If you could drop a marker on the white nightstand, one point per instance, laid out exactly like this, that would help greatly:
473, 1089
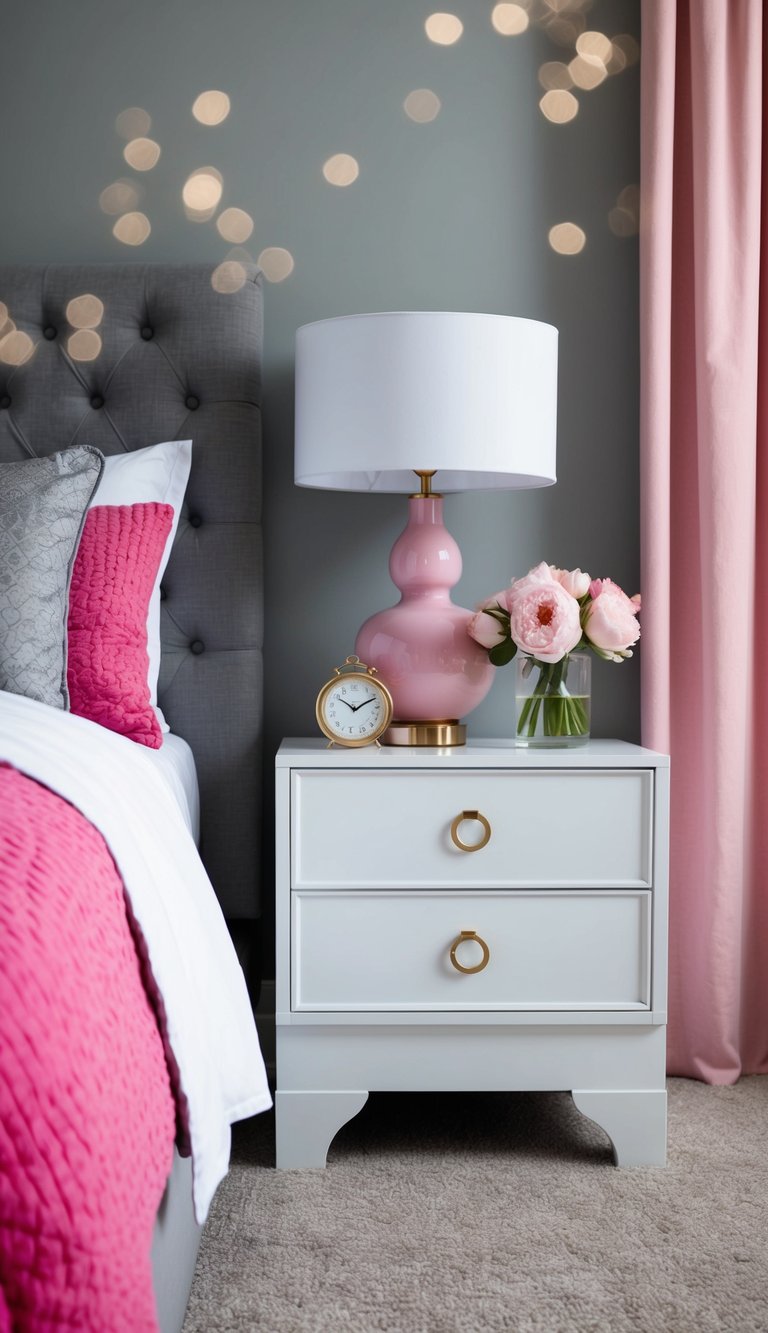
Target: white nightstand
568, 893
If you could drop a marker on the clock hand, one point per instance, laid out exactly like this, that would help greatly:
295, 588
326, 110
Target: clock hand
343, 701
365, 701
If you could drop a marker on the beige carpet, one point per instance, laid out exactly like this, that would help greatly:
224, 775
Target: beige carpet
496, 1211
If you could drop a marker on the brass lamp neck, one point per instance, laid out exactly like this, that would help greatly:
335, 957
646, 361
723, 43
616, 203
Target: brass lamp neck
425, 481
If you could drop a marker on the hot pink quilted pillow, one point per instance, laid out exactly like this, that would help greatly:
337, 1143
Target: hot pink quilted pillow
112, 579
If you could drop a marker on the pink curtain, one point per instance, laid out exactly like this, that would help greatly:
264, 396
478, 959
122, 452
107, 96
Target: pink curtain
704, 451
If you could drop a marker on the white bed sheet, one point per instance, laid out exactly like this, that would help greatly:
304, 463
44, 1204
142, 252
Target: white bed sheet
210, 1025
176, 764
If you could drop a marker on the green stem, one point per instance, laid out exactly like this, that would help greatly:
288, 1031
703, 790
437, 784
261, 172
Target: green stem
562, 715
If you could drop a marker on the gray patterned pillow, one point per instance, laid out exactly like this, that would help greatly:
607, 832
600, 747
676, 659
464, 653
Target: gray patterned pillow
43, 502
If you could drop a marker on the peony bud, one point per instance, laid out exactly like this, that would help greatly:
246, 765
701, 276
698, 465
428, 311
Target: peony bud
485, 629
573, 580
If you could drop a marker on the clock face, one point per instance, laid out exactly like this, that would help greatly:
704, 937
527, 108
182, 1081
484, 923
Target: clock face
354, 709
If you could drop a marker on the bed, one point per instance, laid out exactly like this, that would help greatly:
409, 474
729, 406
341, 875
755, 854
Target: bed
176, 360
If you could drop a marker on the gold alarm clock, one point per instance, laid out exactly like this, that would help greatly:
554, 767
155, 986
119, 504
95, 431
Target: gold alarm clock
354, 707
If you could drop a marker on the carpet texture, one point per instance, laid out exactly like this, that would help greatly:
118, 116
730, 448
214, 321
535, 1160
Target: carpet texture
495, 1211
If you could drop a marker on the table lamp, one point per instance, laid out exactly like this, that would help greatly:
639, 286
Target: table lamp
385, 401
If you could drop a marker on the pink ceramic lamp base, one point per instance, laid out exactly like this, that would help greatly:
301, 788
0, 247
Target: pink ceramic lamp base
434, 671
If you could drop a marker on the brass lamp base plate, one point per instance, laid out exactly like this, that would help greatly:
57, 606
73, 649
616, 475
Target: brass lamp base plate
447, 732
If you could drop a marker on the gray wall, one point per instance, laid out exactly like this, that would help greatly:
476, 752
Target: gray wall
450, 215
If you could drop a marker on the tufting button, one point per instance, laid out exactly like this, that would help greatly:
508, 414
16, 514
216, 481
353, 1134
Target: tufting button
49, 333
195, 520
147, 333
5, 401
192, 402
197, 647
97, 400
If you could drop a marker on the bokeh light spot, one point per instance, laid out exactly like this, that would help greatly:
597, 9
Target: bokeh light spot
234, 224
563, 31
16, 348
341, 169
133, 123
228, 277
567, 239
422, 105
119, 197
555, 74
629, 47
275, 263
85, 312
211, 107
443, 29
241, 256
559, 106
202, 193
142, 154
587, 72
617, 60
132, 228
84, 345
629, 198
509, 20
621, 222
624, 218
594, 44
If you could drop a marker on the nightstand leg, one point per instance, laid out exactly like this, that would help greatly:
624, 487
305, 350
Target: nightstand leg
635, 1122
307, 1122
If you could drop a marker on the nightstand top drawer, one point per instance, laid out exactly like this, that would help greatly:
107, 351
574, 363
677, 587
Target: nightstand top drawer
556, 828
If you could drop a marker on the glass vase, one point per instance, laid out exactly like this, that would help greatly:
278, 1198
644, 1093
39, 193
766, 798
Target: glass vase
552, 701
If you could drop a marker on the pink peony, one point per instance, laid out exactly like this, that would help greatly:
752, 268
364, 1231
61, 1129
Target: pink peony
543, 618
574, 582
611, 619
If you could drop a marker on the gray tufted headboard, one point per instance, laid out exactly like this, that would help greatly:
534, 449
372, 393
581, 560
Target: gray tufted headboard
178, 360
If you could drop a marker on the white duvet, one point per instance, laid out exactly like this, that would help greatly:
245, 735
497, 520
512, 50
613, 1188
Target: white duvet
111, 780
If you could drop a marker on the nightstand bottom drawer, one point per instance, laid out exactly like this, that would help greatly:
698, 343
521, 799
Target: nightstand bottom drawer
540, 950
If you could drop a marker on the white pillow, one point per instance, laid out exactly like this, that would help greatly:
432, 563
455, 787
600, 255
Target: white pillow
158, 474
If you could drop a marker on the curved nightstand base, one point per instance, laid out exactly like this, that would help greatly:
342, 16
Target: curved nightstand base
308, 1122
635, 1122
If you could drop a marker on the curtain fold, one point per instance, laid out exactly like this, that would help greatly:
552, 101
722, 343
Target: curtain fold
704, 479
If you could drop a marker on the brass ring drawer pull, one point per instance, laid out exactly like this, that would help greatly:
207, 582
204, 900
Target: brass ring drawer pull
461, 939
470, 846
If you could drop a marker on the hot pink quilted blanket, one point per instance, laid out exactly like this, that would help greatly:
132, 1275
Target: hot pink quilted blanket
87, 1116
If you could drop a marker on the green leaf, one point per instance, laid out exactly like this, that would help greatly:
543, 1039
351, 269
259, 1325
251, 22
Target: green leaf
503, 652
